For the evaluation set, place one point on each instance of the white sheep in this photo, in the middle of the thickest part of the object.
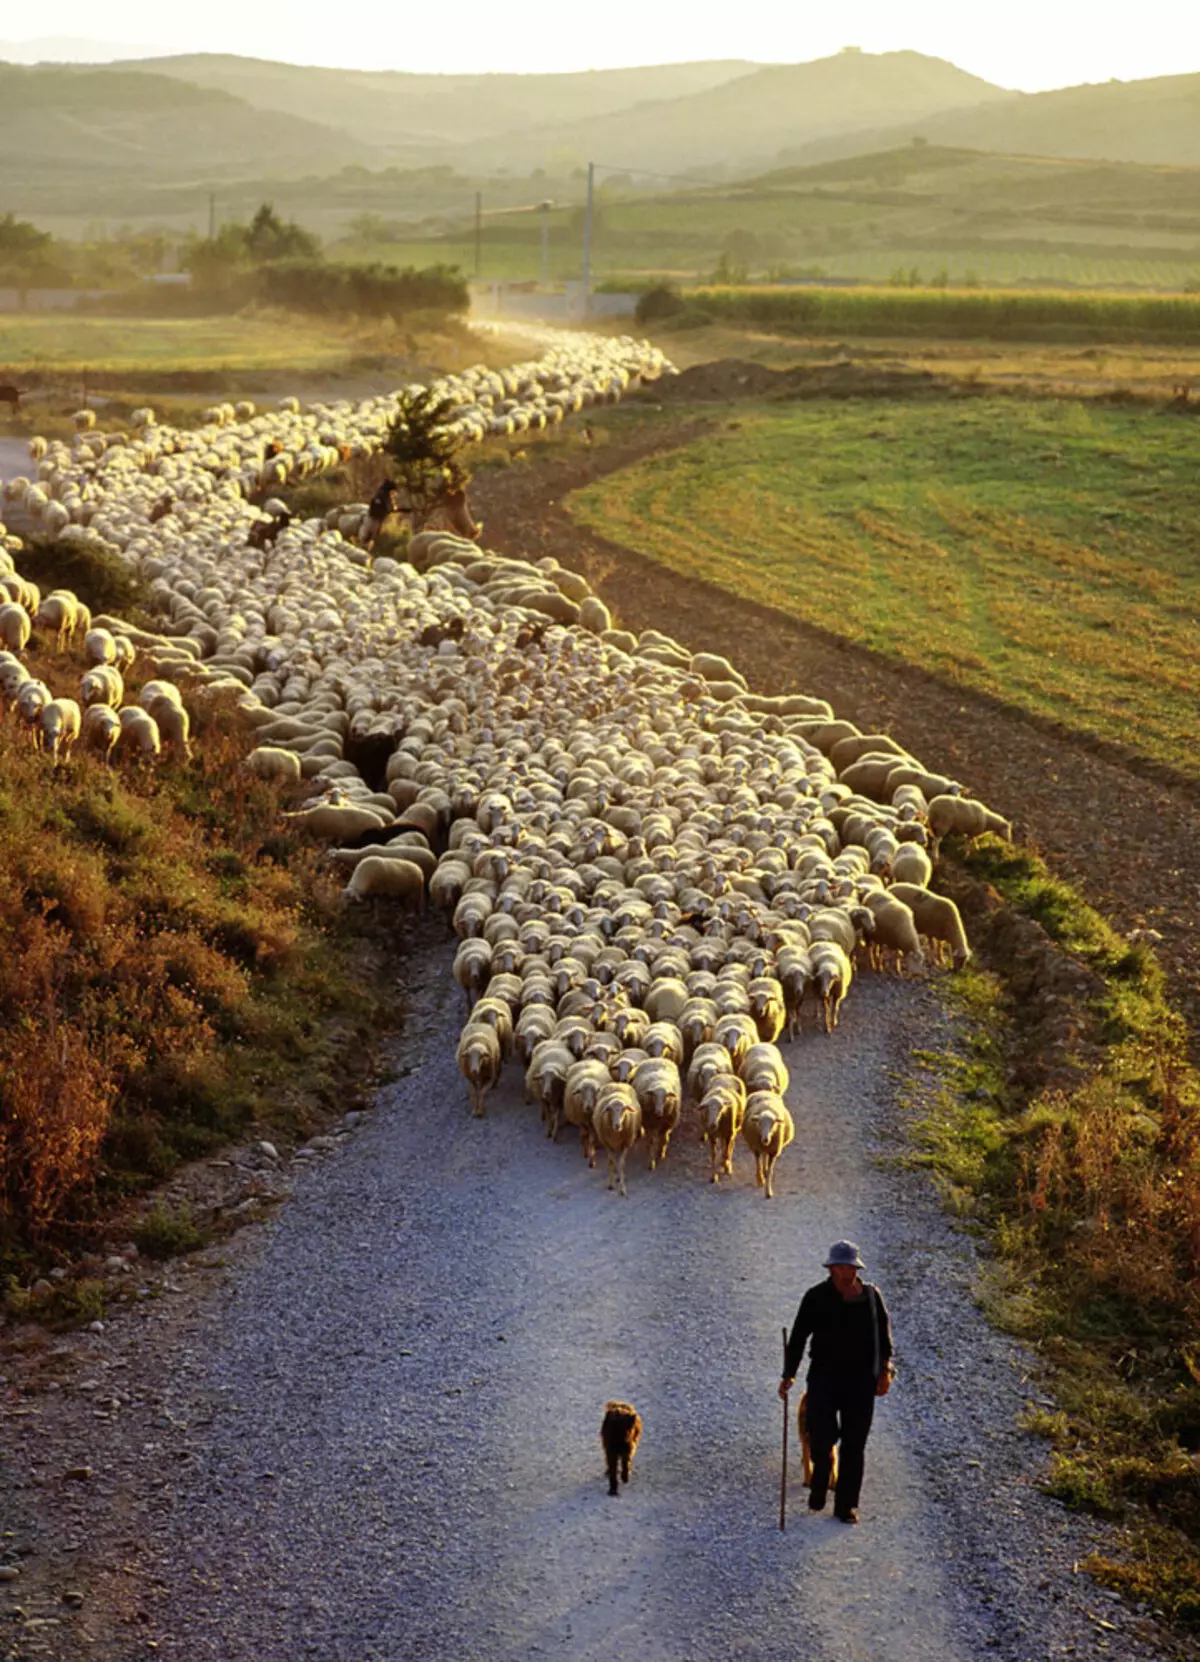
(15, 627)
(722, 1111)
(139, 736)
(102, 684)
(937, 918)
(479, 1063)
(101, 730)
(617, 1122)
(271, 763)
(768, 1129)
(60, 725)
(387, 879)
(659, 1092)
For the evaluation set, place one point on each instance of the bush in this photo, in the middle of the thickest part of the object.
(166, 1234)
(664, 300)
(365, 290)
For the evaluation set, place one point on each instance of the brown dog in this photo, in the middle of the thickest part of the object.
(805, 1448)
(619, 1432)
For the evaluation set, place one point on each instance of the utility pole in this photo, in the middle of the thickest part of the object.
(478, 232)
(212, 216)
(587, 246)
(545, 281)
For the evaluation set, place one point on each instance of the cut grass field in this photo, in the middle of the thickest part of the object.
(1039, 551)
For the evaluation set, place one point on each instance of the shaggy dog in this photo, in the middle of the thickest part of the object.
(805, 1448)
(619, 1432)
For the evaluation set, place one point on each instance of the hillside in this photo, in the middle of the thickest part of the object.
(755, 116)
(1153, 121)
(438, 112)
(56, 120)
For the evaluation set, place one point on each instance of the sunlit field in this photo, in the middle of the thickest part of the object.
(1043, 552)
(118, 345)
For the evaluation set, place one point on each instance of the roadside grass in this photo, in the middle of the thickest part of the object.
(1085, 1178)
(1040, 551)
(175, 969)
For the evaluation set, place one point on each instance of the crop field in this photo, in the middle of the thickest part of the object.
(1042, 551)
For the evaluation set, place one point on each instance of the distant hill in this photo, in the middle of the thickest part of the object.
(755, 116)
(55, 118)
(1121, 121)
(439, 113)
(69, 49)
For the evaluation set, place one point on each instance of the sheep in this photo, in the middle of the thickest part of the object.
(331, 822)
(709, 1060)
(99, 647)
(657, 1086)
(585, 1081)
(479, 1063)
(966, 816)
(374, 879)
(768, 1129)
(666, 999)
(768, 1006)
(139, 734)
(273, 764)
(473, 967)
(546, 1081)
(937, 918)
(911, 864)
(32, 698)
(794, 968)
(764, 1069)
(102, 684)
(101, 730)
(60, 724)
(13, 676)
(895, 929)
(617, 1122)
(174, 726)
(496, 1013)
(832, 973)
(722, 1111)
(60, 613)
(15, 627)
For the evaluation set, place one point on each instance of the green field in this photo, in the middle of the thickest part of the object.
(1041, 551)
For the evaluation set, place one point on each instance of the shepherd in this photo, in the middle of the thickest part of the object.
(850, 1364)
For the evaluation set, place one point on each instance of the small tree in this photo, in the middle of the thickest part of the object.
(424, 457)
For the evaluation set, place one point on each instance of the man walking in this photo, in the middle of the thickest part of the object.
(850, 1364)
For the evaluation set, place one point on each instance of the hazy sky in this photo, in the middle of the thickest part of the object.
(1029, 44)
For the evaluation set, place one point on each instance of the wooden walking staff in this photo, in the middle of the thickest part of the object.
(783, 1471)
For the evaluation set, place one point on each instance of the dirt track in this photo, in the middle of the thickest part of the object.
(1122, 827)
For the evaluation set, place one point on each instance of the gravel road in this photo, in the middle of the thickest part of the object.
(375, 1438)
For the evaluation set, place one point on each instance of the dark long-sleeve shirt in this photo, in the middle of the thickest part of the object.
(843, 1331)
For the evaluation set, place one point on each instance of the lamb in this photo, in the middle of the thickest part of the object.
(479, 1063)
(376, 879)
(722, 1110)
(660, 1096)
(966, 816)
(617, 1122)
(832, 973)
(768, 1129)
(937, 918)
(60, 723)
(101, 730)
(15, 627)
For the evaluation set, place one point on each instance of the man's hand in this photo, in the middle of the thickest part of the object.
(884, 1383)
(785, 1386)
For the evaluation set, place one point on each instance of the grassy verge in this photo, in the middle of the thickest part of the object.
(1068, 1125)
(174, 972)
(1036, 550)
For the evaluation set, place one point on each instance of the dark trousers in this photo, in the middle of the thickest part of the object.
(840, 1410)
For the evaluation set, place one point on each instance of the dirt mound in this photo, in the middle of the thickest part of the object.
(729, 378)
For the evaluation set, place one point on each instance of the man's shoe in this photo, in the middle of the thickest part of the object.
(848, 1517)
(817, 1499)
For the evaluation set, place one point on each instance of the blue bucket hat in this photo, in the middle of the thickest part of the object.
(844, 1252)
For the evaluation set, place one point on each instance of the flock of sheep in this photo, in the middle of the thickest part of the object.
(651, 870)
